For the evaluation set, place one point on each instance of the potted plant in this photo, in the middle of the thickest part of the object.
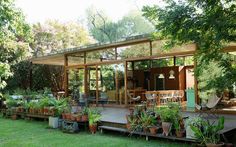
(192, 121)
(167, 116)
(94, 116)
(84, 116)
(153, 128)
(179, 131)
(78, 118)
(59, 106)
(208, 133)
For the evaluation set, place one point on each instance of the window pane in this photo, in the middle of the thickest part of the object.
(100, 55)
(189, 60)
(163, 62)
(76, 59)
(137, 50)
(179, 61)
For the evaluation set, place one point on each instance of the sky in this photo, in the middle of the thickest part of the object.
(74, 10)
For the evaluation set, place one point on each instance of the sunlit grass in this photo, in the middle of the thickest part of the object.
(22, 133)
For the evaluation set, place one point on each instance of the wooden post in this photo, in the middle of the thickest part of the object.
(65, 75)
(197, 100)
(174, 60)
(85, 58)
(30, 76)
(125, 78)
(97, 92)
(86, 80)
(117, 85)
(150, 48)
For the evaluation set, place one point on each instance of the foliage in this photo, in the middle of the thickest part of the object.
(54, 36)
(147, 120)
(85, 111)
(104, 30)
(15, 34)
(209, 24)
(94, 116)
(208, 132)
(4, 74)
(167, 114)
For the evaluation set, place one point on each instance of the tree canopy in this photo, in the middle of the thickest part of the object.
(15, 36)
(211, 24)
(103, 29)
(54, 35)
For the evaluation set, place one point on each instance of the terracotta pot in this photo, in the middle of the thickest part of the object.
(14, 117)
(78, 118)
(166, 126)
(63, 116)
(46, 110)
(93, 128)
(73, 117)
(153, 130)
(128, 126)
(41, 111)
(68, 116)
(179, 133)
(84, 118)
(145, 130)
(214, 145)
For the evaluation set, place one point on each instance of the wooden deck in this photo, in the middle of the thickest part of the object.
(114, 119)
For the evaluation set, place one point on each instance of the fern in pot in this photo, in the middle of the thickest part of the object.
(94, 117)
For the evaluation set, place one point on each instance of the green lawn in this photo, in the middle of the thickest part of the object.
(22, 133)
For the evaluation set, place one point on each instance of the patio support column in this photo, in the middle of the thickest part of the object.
(125, 78)
(30, 76)
(197, 100)
(97, 92)
(117, 86)
(86, 81)
(65, 75)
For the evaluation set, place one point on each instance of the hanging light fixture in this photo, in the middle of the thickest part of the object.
(161, 76)
(172, 74)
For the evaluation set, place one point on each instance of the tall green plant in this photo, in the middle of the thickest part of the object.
(207, 132)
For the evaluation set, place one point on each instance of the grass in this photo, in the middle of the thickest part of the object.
(22, 133)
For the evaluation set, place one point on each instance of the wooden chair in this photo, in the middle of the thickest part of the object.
(151, 99)
(133, 98)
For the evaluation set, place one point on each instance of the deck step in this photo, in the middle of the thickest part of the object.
(147, 135)
(113, 124)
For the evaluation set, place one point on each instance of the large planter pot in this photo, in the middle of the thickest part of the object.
(93, 128)
(14, 117)
(166, 126)
(53, 122)
(214, 145)
(179, 133)
(190, 133)
(153, 130)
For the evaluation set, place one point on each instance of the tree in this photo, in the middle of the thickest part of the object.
(14, 32)
(15, 36)
(104, 30)
(210, 24)
(53, 36)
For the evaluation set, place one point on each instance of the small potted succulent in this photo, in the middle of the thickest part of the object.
(94, 117)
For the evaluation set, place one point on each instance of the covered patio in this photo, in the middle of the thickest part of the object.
(131, 71)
